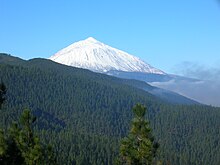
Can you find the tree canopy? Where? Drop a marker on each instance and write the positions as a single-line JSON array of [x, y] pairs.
[[2, 93], [84, 115]]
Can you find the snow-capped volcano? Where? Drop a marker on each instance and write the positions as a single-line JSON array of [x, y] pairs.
[[96, 56]]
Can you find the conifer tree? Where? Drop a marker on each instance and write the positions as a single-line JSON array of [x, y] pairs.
[[139, 147], [21, 146]]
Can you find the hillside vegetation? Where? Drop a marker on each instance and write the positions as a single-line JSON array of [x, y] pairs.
[[84, 115]]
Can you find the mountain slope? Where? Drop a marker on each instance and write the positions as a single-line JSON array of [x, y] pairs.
[[164, 95], [84, 115], [8, 59], [96, 56]]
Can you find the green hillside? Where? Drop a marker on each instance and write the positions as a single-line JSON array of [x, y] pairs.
[[84, 114]]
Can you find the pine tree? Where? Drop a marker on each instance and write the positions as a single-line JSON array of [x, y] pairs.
[[139, 147], [21, 146]]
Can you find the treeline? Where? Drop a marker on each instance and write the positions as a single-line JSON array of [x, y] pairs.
[[84, 115]]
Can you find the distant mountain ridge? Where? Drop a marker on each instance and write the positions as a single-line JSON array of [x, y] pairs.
[[99, 57]]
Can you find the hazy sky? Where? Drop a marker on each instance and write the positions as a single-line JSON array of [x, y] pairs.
[[162, 33]]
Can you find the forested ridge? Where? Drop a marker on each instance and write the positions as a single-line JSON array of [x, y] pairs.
[[84, 115]]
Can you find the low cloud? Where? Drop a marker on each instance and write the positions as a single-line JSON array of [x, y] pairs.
[[195, 70], [206, 90]]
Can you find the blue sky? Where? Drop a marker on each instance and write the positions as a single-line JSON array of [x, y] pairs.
[[165, 34]]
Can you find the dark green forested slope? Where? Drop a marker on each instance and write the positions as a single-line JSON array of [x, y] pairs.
[[84, 115]]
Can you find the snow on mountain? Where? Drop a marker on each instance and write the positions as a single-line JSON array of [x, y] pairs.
[[96, 56]]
